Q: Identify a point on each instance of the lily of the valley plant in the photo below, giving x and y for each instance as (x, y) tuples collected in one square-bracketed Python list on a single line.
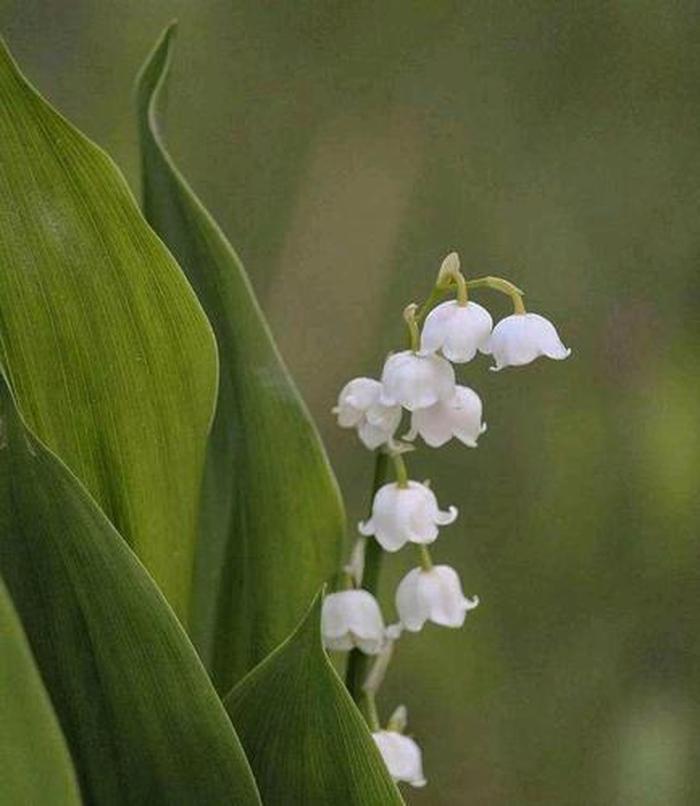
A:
[(169, 518), (419, 385)]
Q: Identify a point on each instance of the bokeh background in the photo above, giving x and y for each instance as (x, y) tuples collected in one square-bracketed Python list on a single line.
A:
[(346, 147)]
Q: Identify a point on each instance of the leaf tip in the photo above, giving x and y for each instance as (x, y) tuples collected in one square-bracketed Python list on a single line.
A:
[(170, 30), (308, 630), (154, 70)]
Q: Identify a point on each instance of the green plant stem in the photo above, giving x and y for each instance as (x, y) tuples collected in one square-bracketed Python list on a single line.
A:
[(426, 561), (504, 286), (358, 662), (462, 293), (372, 683), (368, 706), (400, 470)]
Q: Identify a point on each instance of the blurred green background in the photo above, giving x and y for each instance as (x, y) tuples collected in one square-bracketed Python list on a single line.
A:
[(346, 147)]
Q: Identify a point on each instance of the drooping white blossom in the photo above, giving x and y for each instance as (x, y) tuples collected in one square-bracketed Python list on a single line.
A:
[(521, 338), (350, 619), (402, 514), (359, 407), (432, 595), (458, 417), (458, 330), (416, 381), (402, 756)]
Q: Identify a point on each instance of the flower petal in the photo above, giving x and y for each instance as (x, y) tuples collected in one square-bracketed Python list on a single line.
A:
[(433, 425), (547, 337), (434, 594), (413, 610), (520, 338), (416, 381), (467, 332), (372, 436), (352, 618), (442, 590), (366, 528), (435, 326), (445, 518)]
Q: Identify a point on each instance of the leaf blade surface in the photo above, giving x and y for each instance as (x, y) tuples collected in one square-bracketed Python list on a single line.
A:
[(272, 520), (36, 768), (139, 713), (105, 347), (304, 737)]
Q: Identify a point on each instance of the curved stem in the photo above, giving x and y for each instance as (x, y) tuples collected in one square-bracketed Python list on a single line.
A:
[(368, 706), (372, 684), (377, 673), (502, 285), (462, 293), (400, 470), (497, 283)]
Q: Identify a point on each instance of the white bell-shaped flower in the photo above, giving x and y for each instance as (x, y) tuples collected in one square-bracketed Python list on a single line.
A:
[(521, 337), (416, 381), (458, 330), (458, 417), (432, 595), (350, 619), (405, 513), (402, 756), (359, 407)]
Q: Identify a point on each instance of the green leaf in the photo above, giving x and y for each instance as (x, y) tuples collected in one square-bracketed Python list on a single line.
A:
[(303, 735), (36, 768), (272, 520), (141, 718), (107, 351)]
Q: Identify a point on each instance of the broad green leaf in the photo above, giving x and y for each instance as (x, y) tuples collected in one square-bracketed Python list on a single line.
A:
[(140, 716), (108, 353), (35, 767), (303, 735), (272, 520)]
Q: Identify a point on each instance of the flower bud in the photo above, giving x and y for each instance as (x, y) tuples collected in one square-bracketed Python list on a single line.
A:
[(521, 338), (432, 595), (449, 268), (402, 514), (402, 756), (352, 619), (398, 720)]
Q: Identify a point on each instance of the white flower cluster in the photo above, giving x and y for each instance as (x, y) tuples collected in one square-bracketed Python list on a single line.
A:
[(421, 381)]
